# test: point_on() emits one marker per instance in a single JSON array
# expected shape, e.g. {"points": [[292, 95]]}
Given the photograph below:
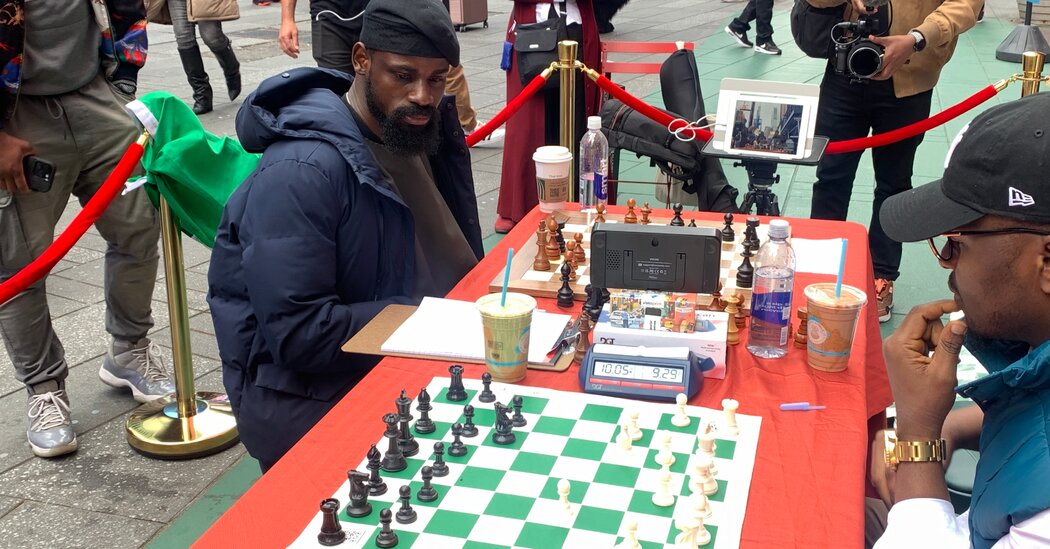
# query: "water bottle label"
{"points": [[772, 307], [601, 191]]}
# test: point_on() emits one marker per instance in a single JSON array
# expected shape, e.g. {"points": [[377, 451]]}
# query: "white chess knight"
{"points": [[624, 440], [630, 539], [663, 496], [680, 419], [701, 505], [665, 455], [688, 528], [729, 407], [563, 494], [632, 426], [703, 537], [703, 467]]}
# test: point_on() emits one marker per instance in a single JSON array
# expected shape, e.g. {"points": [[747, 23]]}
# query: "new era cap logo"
{"points": [[1018, 198]]}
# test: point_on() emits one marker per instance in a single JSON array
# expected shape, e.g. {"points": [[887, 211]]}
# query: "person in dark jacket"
{"points": [[363, 198]]}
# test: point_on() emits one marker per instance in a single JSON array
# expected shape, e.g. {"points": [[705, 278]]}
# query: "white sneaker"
{"points": [[491, 139], [50, 430]]}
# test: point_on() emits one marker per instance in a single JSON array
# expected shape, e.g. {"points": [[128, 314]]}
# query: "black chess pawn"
{"points": [[376, 485], [486, 391], [456, 391], [677, 220], [393, 459], [406, 514], [745, 273], [692, 222], [424, 425], [565, 294], [386, 538], [358, 506], [331, 531], [440, 468], [457, 448], [469, 429], [427, 492], [728, 234], [518, 420]]}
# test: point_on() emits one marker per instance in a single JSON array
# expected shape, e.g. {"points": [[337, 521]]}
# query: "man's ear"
{"points": [[1044, 266], [361, 58]]}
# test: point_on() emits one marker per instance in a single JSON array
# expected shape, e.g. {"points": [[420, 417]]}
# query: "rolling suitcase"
{"points": [[468, 12]]}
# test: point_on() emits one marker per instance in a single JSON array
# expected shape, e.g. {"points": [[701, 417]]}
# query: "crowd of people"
{"points": [[384, 210]]}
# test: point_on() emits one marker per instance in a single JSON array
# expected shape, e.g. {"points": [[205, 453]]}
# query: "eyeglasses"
{"points": [[944, 246]]}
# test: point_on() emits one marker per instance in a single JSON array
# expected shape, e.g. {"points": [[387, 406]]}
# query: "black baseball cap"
{"points": [[999, 164]]}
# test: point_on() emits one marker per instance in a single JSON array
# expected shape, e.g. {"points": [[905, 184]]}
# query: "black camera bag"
{"points": [[811, 28]]}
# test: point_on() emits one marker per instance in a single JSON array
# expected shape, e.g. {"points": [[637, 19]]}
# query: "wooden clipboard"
{"points": [[369, 341]]}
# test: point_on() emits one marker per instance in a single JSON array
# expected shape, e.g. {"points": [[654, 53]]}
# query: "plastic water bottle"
{"points": [[594, 165], [771, 295]]}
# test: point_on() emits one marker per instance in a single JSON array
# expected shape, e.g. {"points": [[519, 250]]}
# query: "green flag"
{"points": [[196, 171]]}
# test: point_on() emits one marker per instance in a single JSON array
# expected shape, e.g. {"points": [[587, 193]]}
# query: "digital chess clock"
{"points": [[654, 373]]}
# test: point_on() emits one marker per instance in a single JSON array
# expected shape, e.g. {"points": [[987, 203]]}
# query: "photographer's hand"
{"points": [[860, 7], [898, 49], [12, 151]]}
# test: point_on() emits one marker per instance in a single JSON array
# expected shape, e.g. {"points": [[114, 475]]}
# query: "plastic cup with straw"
{"points": [[506, 318], [833, 311]]}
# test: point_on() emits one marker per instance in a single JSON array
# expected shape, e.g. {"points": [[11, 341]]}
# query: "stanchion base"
{"points": [[1023, 38], [156, 430]]}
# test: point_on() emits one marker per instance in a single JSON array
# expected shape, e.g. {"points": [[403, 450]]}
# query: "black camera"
{"points": [[855, 56]]}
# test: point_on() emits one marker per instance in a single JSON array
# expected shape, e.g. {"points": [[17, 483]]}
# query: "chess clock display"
{"points": [[642, 372]]}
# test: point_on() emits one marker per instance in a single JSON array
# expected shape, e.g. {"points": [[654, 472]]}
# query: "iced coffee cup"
{"points": [[552, 177], [831, 325], [506, 330]]}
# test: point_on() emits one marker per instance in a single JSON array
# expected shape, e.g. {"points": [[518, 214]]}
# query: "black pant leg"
{"points": [[893, 169], [333, 44], [842, 114], [763, 20], [742, 23]]}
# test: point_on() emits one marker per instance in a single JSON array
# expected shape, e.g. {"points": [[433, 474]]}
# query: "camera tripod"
{"points": [[760, 179]]}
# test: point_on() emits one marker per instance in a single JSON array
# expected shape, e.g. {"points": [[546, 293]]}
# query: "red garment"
{"points": [[517, 189]]}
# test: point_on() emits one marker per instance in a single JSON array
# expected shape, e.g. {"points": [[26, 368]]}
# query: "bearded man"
{"points": [[363, 198]]}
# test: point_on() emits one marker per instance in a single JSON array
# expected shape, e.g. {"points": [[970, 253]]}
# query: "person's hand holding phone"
{"points": [[12, 151]]}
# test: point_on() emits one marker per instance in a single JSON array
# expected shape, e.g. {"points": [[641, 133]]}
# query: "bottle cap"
{"points": [[779, 228], [594, 122]]}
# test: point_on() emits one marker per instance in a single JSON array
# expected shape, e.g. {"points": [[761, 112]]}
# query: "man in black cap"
{"points": [[363, 198], [988, 221]]}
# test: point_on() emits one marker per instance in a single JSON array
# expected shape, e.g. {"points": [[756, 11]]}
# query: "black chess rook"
{"points": [[393, 459], [331, 531], [456, 391]]}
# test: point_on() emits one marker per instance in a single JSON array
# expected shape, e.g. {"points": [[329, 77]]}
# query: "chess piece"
{"points": [[456, 392], [677, 220], [518, 420], [665, 453], [504, 431], [407, 442], [331, 531], [630, 538], [624, 440], [701, 505], [632, 426], [570, 259], [727, 233], [729, 407], [716, 300], [745, 273], [469, 429], [630, 216], [358, 506], [424, 425], [704, 479], [592, 306], [559, 237], [732, 308], [706, 441], [486, 390], [741, 315], [703, 536], [393, 459], [376, 486], [751, 231], [565, 293], [802, 334], [386, 537], [552, 249], [583, 341], [680, 419], [563, 495], [427, 493], [457, 449], [646, 210], [541, 262], [663, 496], [600, 216], [440, 468], [581, 256], [406, 514], [686, 538]]}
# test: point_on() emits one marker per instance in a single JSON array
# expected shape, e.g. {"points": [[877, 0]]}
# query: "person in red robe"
{"points": [[536, 124]]}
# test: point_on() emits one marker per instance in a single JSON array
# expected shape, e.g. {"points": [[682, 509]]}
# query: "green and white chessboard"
{"points": [[506, 496]]}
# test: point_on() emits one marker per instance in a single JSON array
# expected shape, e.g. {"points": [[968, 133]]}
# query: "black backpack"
{"points": [[811, 28]]}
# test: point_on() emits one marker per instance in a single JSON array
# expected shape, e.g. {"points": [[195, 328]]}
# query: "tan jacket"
{"points": [[214, 10], [940, 21]]}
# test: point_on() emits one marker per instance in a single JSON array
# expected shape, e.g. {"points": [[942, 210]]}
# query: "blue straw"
{"points": [[842, 267], [506, 278]]}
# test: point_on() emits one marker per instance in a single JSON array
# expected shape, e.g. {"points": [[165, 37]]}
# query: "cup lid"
{"points": [[552, 153]]}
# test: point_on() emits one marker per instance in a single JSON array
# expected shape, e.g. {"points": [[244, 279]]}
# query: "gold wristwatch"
{"points": [[898, 451]]}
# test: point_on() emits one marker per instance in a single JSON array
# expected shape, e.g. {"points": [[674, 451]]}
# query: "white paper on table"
{"points": [[452, 328], [817, 256]]}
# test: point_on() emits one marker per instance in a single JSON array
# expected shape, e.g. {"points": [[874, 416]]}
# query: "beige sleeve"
{"points": [[950, 19]]}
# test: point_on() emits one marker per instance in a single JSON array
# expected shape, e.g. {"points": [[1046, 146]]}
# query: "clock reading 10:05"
{"points": [[638, 372]]}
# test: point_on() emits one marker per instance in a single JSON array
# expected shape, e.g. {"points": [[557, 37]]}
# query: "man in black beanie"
{"points": [[363, 198]]}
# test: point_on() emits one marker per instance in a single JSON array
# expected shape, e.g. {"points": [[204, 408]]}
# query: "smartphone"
{"points": [[39, 173]]}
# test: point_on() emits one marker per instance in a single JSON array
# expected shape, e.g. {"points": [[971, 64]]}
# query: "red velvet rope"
{"points": [[511, 108], [668, 121], [80, 224]]}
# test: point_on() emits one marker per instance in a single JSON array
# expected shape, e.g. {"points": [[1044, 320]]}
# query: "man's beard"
{"points": [[399, 136]]}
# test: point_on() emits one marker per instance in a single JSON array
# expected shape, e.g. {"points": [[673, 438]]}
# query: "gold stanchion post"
{"points": [[187, 424], [567, 71], [1032, 65]]}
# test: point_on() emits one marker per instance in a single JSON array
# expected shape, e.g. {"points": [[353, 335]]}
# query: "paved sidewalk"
{"points": [[106, 495]]}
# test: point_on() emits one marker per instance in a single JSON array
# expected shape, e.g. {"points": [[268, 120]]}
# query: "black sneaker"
{"points": [[980, 16], [768, 48], [740, 37]]}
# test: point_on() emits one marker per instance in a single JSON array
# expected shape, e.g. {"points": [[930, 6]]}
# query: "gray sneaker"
{"points": [[140, 369], [50, 430]]}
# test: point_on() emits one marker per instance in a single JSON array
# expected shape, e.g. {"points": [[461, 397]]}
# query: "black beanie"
{"points": [[420, 28]]}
